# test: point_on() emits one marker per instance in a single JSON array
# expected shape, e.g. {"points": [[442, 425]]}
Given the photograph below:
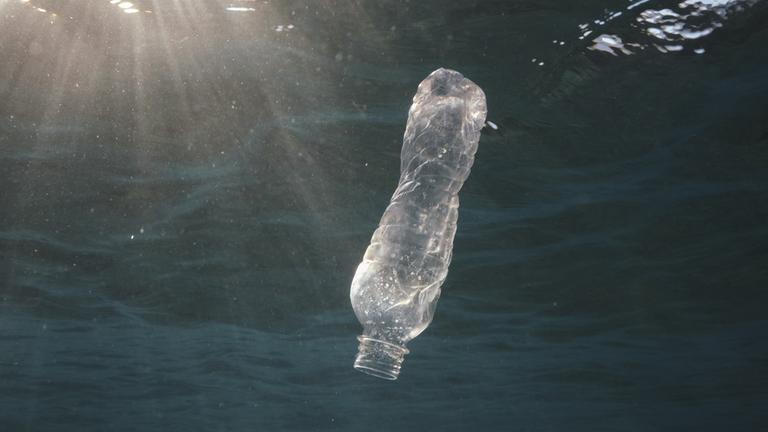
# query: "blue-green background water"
{"points": [[186, 190]]}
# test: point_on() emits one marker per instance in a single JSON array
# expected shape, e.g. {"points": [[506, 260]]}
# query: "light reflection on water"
{"points": [[675, 29]]}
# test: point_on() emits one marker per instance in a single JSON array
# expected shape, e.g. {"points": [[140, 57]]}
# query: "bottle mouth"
{"points": [[379, 358]]}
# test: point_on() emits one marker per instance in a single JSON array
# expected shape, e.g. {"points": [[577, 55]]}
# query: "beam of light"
{"points": [[176, 48], [195, 107]]}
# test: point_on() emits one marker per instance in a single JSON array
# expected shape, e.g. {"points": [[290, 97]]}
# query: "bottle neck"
{"points": [[379, 358]]}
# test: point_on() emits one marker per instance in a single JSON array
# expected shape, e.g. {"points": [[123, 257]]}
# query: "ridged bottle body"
{"points": [[396, 287]]}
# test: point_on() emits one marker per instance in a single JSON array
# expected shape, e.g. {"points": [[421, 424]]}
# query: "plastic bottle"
{"points": [[396, 286]]}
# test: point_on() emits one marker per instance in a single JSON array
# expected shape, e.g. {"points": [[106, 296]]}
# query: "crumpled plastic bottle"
{"points": [[396, 286]]}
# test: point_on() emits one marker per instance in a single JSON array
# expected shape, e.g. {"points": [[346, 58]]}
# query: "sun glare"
{"points": [[240, 9]]}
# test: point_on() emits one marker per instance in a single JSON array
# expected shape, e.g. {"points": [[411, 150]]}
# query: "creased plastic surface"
{"points": [[396, 287]]}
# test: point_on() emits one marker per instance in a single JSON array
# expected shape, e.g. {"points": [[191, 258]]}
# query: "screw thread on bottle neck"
{"points": [[379, 358]]}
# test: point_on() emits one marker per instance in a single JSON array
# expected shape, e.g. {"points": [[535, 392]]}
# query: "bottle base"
{"points": [[379, 358]]}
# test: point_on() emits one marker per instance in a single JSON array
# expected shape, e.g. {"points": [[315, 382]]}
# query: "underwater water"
{"points": [[187, 187]]}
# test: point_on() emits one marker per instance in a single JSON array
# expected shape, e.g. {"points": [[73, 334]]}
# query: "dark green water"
{"points": [[186, 191]]}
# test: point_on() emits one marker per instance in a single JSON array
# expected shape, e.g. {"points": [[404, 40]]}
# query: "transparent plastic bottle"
{"points": [[396, 286]]}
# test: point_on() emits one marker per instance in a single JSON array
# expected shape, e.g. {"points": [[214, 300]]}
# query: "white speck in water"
{"points": [[492, 125], [132, 236], [141, 230], [699, 50], [541, 63]]}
